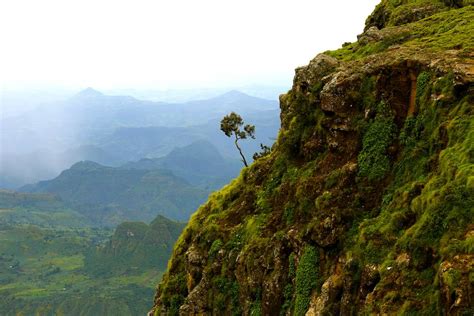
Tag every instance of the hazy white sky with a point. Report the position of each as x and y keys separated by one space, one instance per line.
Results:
x=169 y=44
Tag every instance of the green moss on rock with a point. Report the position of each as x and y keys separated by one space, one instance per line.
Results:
x=306 y=279
x=374 y=198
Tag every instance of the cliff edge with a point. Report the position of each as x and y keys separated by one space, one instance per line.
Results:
x=365 y=204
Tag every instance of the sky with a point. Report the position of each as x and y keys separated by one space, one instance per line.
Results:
x=167 y=44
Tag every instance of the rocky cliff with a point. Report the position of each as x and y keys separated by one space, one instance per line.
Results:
x=365 y=204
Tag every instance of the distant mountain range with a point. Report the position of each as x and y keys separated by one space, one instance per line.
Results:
x=128 y=164
x=110 y=195
x=185 y=95
x=199 y=163
x=174 y=185
x=113 y=130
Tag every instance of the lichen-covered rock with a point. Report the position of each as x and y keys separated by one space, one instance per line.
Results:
x=312 y=74
x=457 y=286
x=336 y=94
x=414 y=13
x=194 y=261
x=372 y=34
x=194 y=304
x=327 y=301
x=395 y=13
x=369 y=279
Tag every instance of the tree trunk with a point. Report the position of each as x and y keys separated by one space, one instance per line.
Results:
x=240 y=151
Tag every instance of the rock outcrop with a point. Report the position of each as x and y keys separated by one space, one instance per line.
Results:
x=365 y=205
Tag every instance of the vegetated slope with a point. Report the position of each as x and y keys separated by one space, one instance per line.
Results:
x=129 y=248
x=43 y=210
x=199 y=163
x=109 y=195
x=80 y=271
x=12 y=199
x=366 y=203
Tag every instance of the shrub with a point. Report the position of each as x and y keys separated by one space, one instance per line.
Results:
x=215 y=247
x=323 y=200
x=373 y=161
x=411 y=131
x=421 y=85
x=307 y=274
x=288 y=291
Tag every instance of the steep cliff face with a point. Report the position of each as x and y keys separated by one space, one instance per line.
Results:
x=365 y=204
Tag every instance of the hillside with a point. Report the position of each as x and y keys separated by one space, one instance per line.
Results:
x=365 y=204
x=199 y=163
x=108 y=196
x=82 y=271
x=128 y=249
x=44 y=210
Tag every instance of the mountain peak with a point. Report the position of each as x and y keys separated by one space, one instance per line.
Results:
x=89 y=92
x=85 y=165
x=199 y=150
x=232 y=94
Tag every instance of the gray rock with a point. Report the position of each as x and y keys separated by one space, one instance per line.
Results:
x=373 y=34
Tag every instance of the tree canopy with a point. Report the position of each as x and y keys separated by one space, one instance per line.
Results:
x=231 y=124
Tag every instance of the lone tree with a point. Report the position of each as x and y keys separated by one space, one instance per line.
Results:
x=231 y=125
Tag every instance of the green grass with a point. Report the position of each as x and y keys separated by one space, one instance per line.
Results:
x=398 y=205
x=43 y=270
x=442 y=31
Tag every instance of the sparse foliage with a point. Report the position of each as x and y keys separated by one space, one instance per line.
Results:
x=231 y=124
x=265 y=150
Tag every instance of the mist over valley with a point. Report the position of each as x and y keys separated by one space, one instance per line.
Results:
x=113 y=130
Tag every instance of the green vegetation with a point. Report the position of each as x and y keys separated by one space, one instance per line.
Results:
x=128 y=250
x=199 y=163
x=374 y=196
x=421 y=85
x=52 y=262
x=231 y=125
x=108 y=196
x=446 y=30
x=43 y=210
x=306 y=279
x=289 y=289
x=216 y=246
x=265 y=151
x=373 y=160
